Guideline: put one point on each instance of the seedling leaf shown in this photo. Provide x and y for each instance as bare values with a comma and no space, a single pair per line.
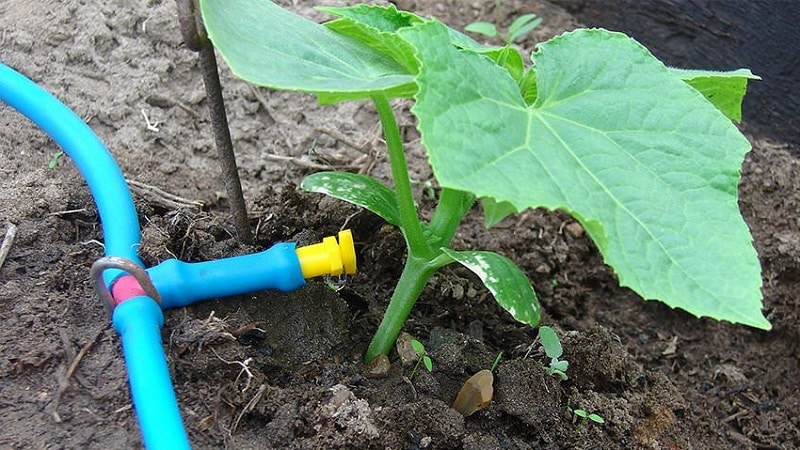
522,25
484,28
550,342
418,347
724,89
507,58
359,190
426,360
509,286
596,418
494,212
649,167
557,366
269,46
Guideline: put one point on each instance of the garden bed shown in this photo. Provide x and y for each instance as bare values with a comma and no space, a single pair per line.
659,377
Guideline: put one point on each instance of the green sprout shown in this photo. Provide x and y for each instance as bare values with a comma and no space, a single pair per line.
644,157
55,159
553,349
521,26
584,416
422,357
496,362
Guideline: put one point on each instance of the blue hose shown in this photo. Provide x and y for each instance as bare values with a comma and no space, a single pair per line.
181,284
138,320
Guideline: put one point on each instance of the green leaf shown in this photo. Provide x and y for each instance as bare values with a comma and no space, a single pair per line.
642,160
484,28
359,190
506,57
418,347
559,366
596,418
269,46
724,89
523,25
509,286
376,27
426,360
494,212
550,342
528,88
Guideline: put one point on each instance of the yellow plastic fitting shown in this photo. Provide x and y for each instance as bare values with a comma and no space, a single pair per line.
328,257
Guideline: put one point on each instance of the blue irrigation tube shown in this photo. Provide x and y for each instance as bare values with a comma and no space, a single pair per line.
139,323
138,318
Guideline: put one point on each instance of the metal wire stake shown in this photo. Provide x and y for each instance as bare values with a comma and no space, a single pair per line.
195,38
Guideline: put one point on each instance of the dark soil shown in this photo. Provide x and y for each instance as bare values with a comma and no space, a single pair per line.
659,377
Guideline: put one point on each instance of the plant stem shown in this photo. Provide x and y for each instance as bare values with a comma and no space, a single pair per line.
196,40
452,207
415,275
409,219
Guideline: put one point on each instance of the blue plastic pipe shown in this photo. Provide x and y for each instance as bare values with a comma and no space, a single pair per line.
181,284
138,320
105,180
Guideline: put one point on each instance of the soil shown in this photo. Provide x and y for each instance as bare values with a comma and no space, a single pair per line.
660,378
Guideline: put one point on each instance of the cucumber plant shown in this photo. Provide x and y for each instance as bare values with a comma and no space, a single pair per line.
644,156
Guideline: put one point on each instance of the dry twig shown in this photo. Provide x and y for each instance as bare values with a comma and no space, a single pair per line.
162,197
5,247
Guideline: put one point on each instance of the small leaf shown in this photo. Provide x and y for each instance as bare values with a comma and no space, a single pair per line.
559,366
506,57
596,418
581,413
509,286
523,25
376,27
724,89
476,393
528,87
484,28
550,342
426,360
494,212
418,347
357,189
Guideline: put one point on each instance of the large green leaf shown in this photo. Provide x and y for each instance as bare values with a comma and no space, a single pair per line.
269,46
359,190
724,89
641,159
509,286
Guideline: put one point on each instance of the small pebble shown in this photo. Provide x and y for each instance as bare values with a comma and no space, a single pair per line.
408,356
575,229
378,367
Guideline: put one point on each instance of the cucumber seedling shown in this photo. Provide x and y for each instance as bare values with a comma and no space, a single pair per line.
643,156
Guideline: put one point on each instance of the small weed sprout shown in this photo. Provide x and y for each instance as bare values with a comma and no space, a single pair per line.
54,160
521,26
584,416
553,349
422,357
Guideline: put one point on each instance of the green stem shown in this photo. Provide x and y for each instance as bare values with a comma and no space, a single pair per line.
415,275
409,219
452,207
